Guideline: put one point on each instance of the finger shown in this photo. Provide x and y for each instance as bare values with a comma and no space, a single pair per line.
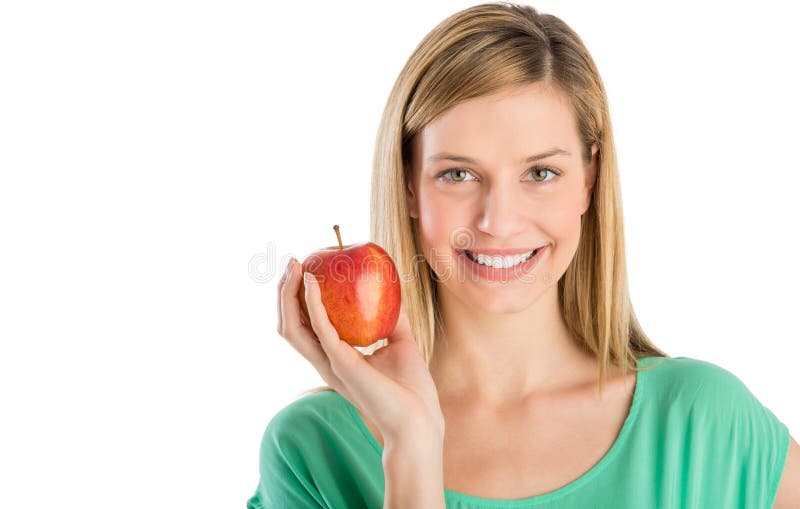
362,380
402,329
347,363
290,306
339,352
284,294
281,298
299,336
318,315
281,282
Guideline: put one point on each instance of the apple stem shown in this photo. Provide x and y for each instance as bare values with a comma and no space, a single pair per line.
338,237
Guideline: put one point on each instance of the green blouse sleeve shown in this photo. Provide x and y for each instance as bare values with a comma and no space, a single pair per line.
285,479
749,442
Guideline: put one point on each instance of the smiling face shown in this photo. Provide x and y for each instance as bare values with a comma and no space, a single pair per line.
498,199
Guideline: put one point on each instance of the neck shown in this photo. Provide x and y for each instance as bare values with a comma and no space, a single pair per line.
496,359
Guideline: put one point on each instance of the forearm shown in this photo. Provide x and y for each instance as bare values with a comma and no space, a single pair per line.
414,473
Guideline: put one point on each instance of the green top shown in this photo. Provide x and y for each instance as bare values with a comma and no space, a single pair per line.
695,436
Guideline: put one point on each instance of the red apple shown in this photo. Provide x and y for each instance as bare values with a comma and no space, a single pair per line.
360,290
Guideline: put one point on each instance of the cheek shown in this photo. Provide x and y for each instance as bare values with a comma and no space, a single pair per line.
438,217
563,216
563,224
441,216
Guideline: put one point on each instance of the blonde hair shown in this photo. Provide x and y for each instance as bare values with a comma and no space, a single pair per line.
479,51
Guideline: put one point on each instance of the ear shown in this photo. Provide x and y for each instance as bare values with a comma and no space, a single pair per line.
590,172
411,197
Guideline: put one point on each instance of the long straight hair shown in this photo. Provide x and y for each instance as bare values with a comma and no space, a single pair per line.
479,51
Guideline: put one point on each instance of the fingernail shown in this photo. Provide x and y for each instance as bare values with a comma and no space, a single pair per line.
307,276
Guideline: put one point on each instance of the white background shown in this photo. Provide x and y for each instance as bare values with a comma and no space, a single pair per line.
151,150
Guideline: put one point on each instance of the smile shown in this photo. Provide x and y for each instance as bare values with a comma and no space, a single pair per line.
500,262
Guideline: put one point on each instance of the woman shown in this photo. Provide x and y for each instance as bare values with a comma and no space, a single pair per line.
526,386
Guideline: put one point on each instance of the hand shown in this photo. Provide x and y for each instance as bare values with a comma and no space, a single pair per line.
392,387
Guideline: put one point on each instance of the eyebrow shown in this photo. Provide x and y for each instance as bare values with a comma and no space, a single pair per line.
464,159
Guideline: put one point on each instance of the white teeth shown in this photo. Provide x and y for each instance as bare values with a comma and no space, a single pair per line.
501,262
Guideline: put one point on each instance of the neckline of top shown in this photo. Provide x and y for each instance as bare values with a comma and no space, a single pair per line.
495,503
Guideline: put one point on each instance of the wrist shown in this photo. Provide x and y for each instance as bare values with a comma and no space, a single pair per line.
413,471
417,433
423,445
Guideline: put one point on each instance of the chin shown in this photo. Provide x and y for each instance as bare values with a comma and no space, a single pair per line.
503,308
503,299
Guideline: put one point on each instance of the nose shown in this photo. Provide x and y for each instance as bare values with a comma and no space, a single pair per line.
502,213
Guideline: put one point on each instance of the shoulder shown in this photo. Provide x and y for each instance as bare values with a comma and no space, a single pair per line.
706,400
313,455
308,414
706,396
309,405
707,416
696,382
302,430
680,368
295,439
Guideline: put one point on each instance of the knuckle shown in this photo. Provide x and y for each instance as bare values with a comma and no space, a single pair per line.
341,367
329,378
337,369
288,332
337,372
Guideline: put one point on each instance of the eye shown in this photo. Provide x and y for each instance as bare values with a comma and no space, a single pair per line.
539,170
536,170
452,171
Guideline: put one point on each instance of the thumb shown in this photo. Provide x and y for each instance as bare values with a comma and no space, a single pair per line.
402,329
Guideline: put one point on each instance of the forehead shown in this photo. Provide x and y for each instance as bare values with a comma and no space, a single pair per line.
522,119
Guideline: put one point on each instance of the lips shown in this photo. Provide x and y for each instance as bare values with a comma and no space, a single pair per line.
521,271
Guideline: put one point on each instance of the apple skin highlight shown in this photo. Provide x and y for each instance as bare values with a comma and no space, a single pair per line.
360,289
